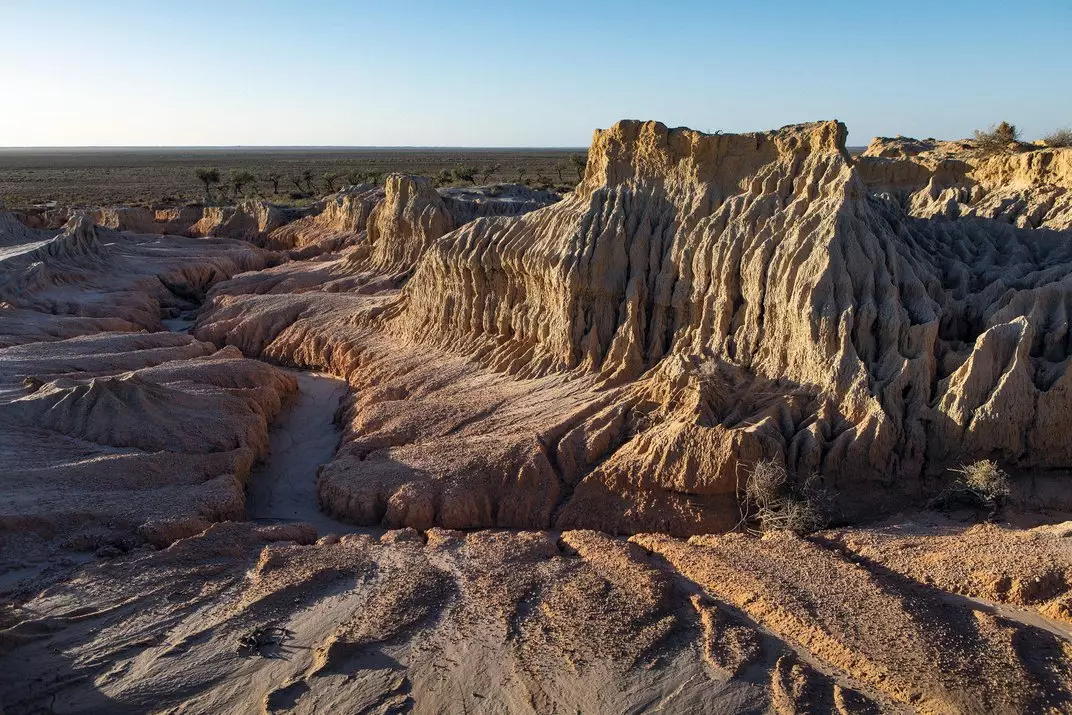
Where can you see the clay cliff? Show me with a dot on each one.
(700, 303)
(1029, 188)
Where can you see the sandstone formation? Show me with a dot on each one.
(249, 220)
(611, 364)
(1029, 189)
(107, 429)
(699, 304)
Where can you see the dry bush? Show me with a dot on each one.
(778, 503)
(986, 479)
(999, 139)
(981, 484)
(1062, 138)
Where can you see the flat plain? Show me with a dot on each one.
(102, 176)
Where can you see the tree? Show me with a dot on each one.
(273, 178)
(241, 178)
(521, 175)
(355, 177)
(560, 167)
(579, 163)
(329, 180)
(465, 174)
(208, 177)
(297, 181)
(374, 176)
(488, 171)
(307, 177)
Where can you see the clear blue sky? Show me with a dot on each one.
(476, 73)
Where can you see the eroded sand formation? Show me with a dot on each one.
(608, 364)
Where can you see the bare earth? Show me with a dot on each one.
(478, 449)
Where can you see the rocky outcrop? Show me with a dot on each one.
(85, 278)
(339, 222)
(249, 221)
(701, 303)
(1030, 188)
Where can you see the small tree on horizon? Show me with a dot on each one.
(444, 177)
(240, 178)
(579, 163)
(1062, 138)
(273, 178)
(208, 176)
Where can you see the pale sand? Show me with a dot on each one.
(304, 438)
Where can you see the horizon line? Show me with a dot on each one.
(280, 146)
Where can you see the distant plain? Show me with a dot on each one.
(103, 176)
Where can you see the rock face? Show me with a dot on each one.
(1029, 189)
(105, 428)
(249, 220)
(85, 279)
(701, 303)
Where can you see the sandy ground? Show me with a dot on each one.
(304, 438)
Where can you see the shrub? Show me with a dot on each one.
(580, 163)
(241, 178)
(981, 484)
(986, 479)
(1061, 138)
(999, 139)
(464, 174)
(778, 503)
(488, 171)
(443, 178)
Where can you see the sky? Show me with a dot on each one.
(527, 74)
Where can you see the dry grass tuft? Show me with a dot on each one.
(777, 503)
(1061, 139)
